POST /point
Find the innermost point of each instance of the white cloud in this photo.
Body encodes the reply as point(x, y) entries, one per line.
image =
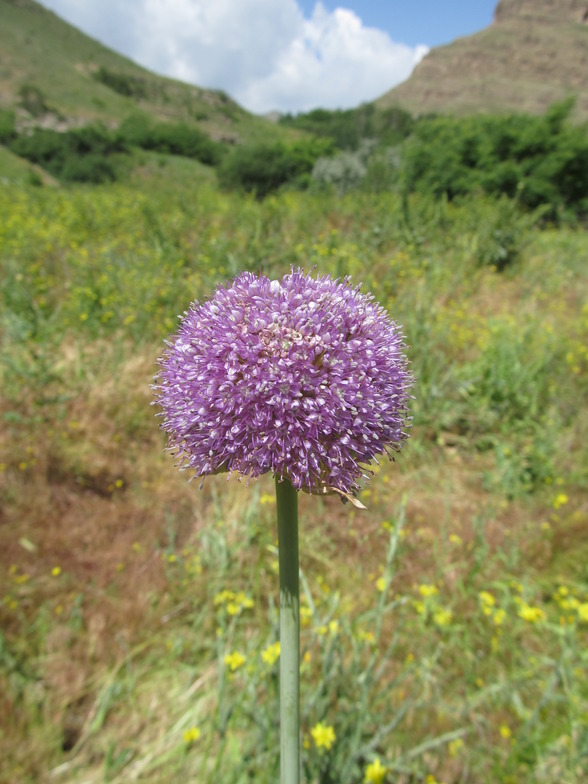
point(264, 53)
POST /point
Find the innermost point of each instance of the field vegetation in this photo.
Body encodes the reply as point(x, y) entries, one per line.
point(445, 629)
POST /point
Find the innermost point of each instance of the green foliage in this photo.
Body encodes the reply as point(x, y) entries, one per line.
point(81, 155)
point(123, 84)
point(262, 169)
point(540, 160)
point(348, 128)
point(7, 127)
point(33, 100)
point(463, 657)
point(175, 138)
point(500, 230)
point(346, 170)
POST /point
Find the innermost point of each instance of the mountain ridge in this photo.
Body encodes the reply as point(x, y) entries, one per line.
point(532, 55)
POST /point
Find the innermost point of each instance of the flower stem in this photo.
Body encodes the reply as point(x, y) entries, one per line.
point(287, 509)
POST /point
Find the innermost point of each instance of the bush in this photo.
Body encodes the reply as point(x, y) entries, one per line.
point(500, 231)
point(33, 100)
point(540, 160)
point(123, 84)
point(344, 171)
point(89, 168)
point(7, 127)
point(78, 155)
point(172, 138)
point(347, 129)
point(262, 169)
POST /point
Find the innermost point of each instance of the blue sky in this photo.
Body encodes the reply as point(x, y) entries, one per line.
point(284, 55)
point(412, 22)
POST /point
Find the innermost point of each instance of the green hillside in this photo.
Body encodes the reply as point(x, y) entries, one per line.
point(54, 76)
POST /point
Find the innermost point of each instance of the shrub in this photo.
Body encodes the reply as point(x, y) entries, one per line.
point(344, 171)
point(348, 128)
point(173, 138)
point(540, 160)
point(7, 127)
point(262, 169)
point(123, 84)
point(33, 100)
point(89, 168)
point(78, 155)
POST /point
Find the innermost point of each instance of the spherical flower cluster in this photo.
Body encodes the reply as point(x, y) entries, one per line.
point(305, 378)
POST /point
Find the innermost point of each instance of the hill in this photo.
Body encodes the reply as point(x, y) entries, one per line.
point(55, 76)
point(533, 54)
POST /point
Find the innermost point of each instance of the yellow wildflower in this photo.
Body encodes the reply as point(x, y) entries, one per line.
point(583, 612)
point(505, 731)
point(427, 590)
point(245, 601)
point(442, 617)
point(323, 735)
point(381, 584)
point(56, 571)
point(191, 734)
point(455, 747)
point(531, 614)
point(455, 539)
point(267, 498)
point(368, 637)
point(235, 660)
point(487, 599)
point(271, 654)
point(223, 597)
point(499, 616)
point(233, 608)
point(560, 500)
point(333, 628)
point(375, 773)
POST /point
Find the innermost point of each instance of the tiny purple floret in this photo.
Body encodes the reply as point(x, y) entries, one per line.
point(305, 378)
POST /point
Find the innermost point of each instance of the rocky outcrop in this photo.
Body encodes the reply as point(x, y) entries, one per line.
point(534, 54)
point(575, 11)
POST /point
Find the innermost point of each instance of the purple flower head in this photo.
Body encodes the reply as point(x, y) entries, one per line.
point(303, 377)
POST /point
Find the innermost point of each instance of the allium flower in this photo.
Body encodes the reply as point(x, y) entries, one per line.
point(305, 378)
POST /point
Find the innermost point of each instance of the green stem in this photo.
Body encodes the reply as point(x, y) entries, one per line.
point(287, 504)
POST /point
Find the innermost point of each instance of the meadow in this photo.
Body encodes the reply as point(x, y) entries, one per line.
point(445, 629)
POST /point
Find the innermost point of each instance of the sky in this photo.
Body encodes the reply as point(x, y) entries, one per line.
point(279, 55)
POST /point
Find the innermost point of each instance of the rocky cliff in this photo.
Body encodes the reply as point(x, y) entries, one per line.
point(534, 53)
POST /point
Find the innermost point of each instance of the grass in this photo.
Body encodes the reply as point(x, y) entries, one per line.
point(60, 63)
point(445, 628)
